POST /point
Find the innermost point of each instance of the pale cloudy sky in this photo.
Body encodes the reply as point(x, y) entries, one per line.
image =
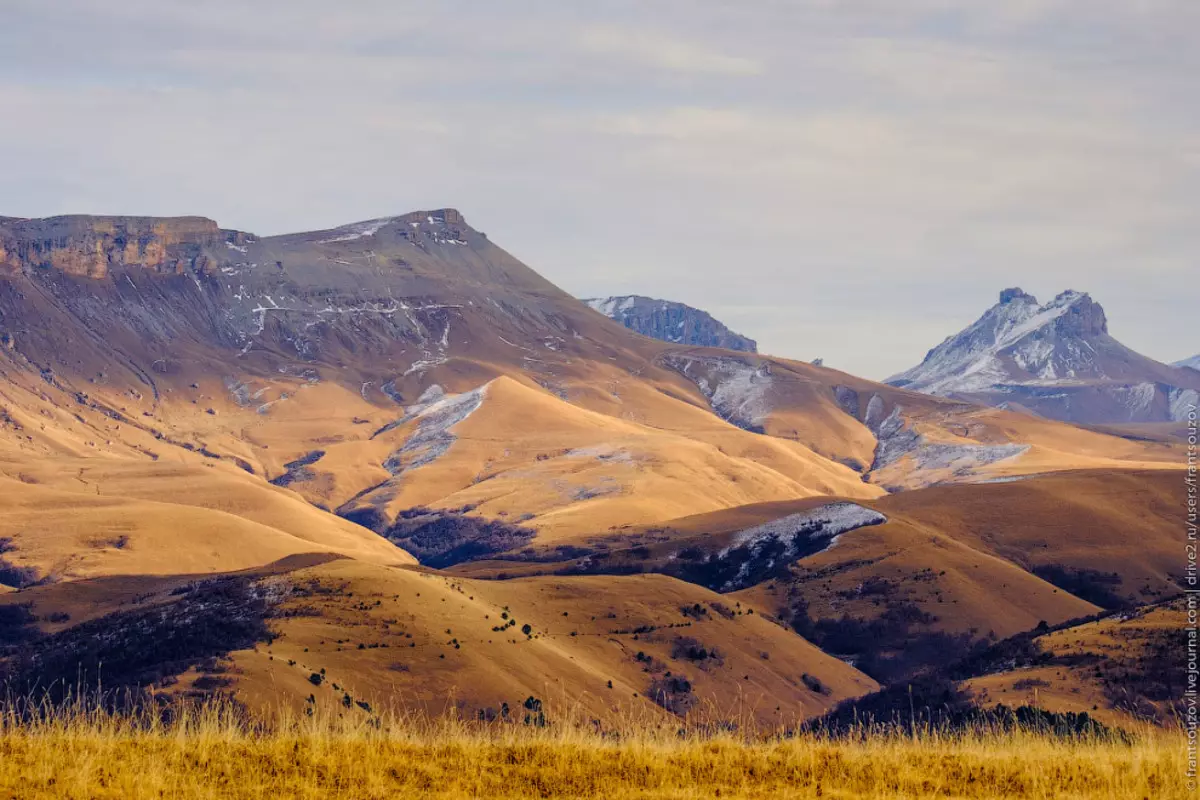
point(851, 179)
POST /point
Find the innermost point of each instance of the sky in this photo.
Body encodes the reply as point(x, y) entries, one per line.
point(847, 179)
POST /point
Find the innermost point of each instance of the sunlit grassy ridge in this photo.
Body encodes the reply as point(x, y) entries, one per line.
point(213, 752)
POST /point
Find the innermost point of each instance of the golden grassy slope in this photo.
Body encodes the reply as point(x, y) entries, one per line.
point(441, 648)
point(385, 635)
point(966, 590)
point(525, 453)
point(578, 472)
point(1107, 520)
point(966, 586)
point(980, 541)
point(117, 483)
point(961, 553)
point(211, 754)
point(1103, 668)
point(1052, 447)
point(73, 518)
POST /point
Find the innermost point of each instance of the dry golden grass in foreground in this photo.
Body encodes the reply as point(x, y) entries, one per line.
point(210, 752)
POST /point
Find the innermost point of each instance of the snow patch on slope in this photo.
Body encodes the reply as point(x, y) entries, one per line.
point(611, 307)
point(740, 395)
point(762, 548)
point(358, 230)
point(436, 413)
point(897, 439)
point(1183, 402)
point(823, 522)
point(1137, 398)
point(738, 392)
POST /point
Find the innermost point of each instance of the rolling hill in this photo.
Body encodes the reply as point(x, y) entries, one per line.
point(902, 583)
point(345, 632)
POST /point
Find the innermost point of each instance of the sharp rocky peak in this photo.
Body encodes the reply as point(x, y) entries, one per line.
point(1015, 295)
point(1072, 313)
point(1084, 316)
point(1042, 342)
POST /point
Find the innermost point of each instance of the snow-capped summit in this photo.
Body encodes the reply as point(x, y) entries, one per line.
point(1057, 359)
point(1016, 340)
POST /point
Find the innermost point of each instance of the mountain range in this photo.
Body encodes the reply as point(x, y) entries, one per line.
point(1057, 360)
point(390, 455)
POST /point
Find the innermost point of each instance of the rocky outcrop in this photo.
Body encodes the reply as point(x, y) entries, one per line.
point(1084, 318)
point(90, 246)
point(671, 322)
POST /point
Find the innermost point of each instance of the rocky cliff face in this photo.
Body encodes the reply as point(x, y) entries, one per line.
point(671, 322)
point(91, 246)
point(1056, 359)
